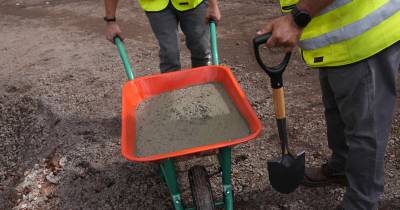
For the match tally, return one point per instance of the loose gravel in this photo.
(60, 113)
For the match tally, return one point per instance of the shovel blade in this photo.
(286, 174)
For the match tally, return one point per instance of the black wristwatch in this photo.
(110, 19)
(300, 17)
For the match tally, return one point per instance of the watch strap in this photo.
(110, 19)
(301, 18)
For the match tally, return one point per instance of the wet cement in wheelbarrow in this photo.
(186, 118)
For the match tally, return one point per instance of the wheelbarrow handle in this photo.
(213, 42)
(124, 57)
(275, 72)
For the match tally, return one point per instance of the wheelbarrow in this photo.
(136, 90)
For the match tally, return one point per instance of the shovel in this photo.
(285, 174)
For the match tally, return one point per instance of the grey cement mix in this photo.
(186, 118)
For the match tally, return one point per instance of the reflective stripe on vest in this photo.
(158, 5)
(354, 29)
(348, 31)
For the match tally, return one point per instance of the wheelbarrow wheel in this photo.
(201, 188)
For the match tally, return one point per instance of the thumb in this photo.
(267, 28)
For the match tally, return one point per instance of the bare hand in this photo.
(213, 13)
(285, 33)
(113, 30)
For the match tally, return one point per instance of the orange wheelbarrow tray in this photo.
(136, 91)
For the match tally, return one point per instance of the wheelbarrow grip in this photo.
(124, 57)
(213, 42)
(274, 72)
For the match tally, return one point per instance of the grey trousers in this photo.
(165, 27)
(359, 102)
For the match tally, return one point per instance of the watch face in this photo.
(302, 19)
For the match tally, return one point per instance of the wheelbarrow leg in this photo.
(168, 171)
(225, 161)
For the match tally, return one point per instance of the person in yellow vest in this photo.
(165, 16)
(355, 45)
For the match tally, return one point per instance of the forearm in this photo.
(313, 7)
(212, 3)
(111, 7)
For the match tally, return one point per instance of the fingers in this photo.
(121, 37)
(208, 19)
(279, 40)
(112, 31)
(283, 33)
(118, 34)
(212, 18)
(110, 36)
(267, 28)
(272, 42)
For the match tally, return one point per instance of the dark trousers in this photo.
(359, 102)
(192, 23)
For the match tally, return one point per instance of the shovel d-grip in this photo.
(275, 73)
(285, 174)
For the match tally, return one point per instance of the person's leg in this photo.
(165, 28)
(365, 94)
(196, 32)
(335, 125)
(331, 172)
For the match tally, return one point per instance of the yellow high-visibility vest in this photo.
(348, 31)
(288, 5)
(158, 5)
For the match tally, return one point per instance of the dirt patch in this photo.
(186, 118)
(25, 125)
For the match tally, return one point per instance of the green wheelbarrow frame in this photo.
(225, 160)
(168, 172)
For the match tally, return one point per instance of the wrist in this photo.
(110, 19)
(293, 25)
(213, 7)
(212, 4)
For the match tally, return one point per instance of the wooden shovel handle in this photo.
(279, 103)
(280, 115)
